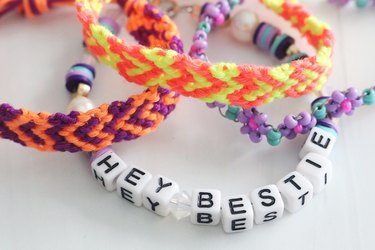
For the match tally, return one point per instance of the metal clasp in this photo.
(172, 8)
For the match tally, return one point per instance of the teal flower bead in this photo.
(361, 3)
(274, 137)
(368, 96)
(319, 111)
(232, 113)
(206, 27)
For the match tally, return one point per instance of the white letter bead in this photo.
(237, 214)
(131, 183)
(267, 204)
(296, 191)
(317, 169)
(106, 168)
(319, 141)
(205, 207)
(158, 193)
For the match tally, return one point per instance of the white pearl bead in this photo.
(80, 104)
(243, 25)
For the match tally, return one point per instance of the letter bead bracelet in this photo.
(99, 127)
(236, 213)
(227, 83)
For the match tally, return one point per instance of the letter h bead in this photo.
(106, 168)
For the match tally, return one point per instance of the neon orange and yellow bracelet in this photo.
(99, 127)
(228, 83)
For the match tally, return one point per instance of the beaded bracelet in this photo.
(243, 85)
(294, 191)
(361, 4)
(255, 125)
(99, 127)
(245, 27)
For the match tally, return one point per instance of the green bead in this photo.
(319, 111)
(368, 96)
(232, 112)
(274, 142)
(206, 27)
(273, 135)
(361, 3)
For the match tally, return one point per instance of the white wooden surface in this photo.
(50, 201)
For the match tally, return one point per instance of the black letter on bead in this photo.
(153, 205)
(202, 199)
(236, 226)
(319, 142)
(313, 163)
(290, 179)
(271, 198)
(270, 216)
(232, 206)
(161, 185)
(99, 178)
(204, 218)
(110, 167)
(325, 178)
(126, 194)
(303, 197)
(132, 175)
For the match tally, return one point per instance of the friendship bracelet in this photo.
(32, 8)
(361, 4)
(102, 126)
(246, 28)
(243, 85)
(294, 191)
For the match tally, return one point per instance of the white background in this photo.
(51, 201)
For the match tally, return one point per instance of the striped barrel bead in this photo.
(265, 35)
(280, 46)
(80, 73)
(297, 56)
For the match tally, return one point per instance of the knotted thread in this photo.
(31, 8)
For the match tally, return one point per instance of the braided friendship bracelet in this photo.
(32, 8)
(102, 126)
(243, 85)
(245, 27)
(361, 4)
(294, 191)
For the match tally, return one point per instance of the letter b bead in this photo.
(205, 207)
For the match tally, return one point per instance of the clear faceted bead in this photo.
(180, 205)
